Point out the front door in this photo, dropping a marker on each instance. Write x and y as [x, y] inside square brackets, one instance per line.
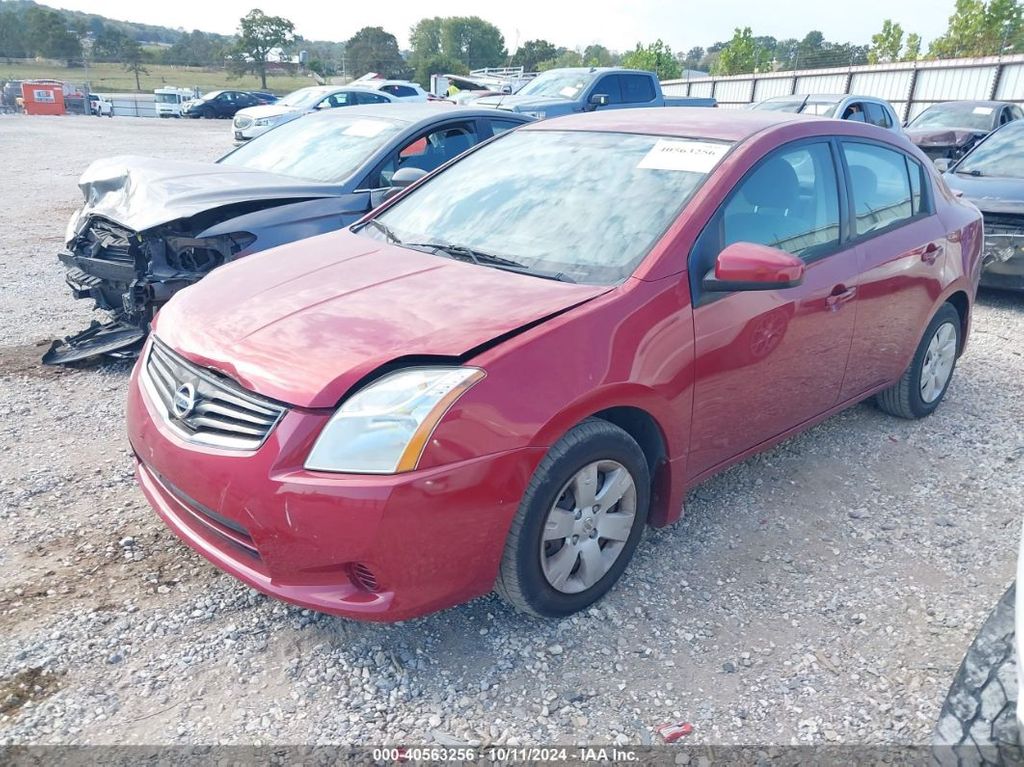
[767, 361]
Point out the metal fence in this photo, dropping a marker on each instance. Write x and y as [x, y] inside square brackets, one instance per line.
[909, 86]
[134, 107]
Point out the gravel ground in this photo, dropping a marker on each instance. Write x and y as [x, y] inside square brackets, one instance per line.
[821, 592]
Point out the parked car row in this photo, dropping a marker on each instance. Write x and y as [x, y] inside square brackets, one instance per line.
[224, 104]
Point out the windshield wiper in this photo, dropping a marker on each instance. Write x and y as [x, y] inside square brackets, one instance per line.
[480, 258]
[385, 229]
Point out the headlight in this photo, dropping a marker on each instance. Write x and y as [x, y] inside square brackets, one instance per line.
[536, 115]
[383, 428]
[72, 228]
[263, 122]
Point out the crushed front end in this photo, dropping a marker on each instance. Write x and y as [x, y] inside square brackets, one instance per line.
[1003, 251]
[131, 275]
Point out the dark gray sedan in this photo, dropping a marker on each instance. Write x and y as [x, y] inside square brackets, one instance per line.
[152, 227]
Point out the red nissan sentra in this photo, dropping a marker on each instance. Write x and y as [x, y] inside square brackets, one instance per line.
[507, 372]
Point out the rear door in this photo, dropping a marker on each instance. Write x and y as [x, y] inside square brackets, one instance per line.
[767, 361]
[901, 249]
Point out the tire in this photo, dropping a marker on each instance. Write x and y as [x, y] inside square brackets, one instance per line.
[978, 721]
[907, 398]
[595, 454]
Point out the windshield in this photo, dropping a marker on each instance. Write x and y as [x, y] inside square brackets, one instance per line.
[209, 96]
[820, 108]
[587, 206]
[303, 97]
[326, 147]
[964, 116]
[1001, 154]
[780, 105]
[167, 98]
[557, 85]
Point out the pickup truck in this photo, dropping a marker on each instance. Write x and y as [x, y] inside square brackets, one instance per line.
[565, 91]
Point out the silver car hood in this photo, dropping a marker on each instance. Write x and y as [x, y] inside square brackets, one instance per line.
[141, 192]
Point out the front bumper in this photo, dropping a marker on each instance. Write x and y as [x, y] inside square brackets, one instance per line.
[247, 134]
[1008, 275]
[431, 539]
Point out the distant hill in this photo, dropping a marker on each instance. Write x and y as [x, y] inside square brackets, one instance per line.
[95, 23]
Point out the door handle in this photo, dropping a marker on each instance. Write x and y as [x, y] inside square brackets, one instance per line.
[839, 296]
[931, 253]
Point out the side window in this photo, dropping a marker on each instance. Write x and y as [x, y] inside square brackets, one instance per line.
[876, 114]
[402, 91]
[428, 151]
[790, 202]
[500, 126]
[855, 112]
[336, 100]
[882, 194]
[636, 89]
[1005, 116]
[1016, 113]
[919, 201]
[370, 98]
[610, 87]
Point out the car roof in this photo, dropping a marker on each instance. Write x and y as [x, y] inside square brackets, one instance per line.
[971, 102]
[703, 122]
[378, 83]
[416, 112]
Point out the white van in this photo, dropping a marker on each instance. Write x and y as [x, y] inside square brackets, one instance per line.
[169, 100]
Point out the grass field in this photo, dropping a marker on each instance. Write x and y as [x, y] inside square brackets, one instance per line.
[112, 78]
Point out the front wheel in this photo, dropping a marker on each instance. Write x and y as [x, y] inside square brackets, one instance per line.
[578, 523]
[922, 387]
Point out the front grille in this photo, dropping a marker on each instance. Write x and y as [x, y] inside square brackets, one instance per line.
[1004, 236]
[204, 406]
[1003, 223]
[107, 241]
[243, 122]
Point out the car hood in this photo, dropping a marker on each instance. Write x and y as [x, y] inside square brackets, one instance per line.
[523, 103]
[942, 136]
[141, 192]
[305, 322]
[264, 111]
[990, 194]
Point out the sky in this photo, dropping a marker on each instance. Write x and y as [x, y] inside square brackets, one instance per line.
[616, 24]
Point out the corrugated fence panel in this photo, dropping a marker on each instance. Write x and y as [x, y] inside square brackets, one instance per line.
[133, 108]
[892, 85]
[734, 91]
[1011, 84]
[675, 89]
[770, 87]
[951, 84]
[821, 83]
[702, 88]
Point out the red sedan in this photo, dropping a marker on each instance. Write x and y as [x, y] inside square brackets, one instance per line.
[504, 374]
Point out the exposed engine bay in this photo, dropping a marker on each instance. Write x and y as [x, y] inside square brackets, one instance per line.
[131, 275]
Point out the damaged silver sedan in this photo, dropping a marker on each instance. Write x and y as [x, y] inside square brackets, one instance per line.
[152, 227]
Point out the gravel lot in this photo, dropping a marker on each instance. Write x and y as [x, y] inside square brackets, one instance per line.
[822, 592]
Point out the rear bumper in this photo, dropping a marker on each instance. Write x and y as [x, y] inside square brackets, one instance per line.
[431, 539]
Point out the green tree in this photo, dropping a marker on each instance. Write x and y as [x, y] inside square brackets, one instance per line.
[595, 55]
[913, 50]
[656, 57]
[979, 28]
[437, 65]
[887, 44]
[47, 34]
[738, 56]
[532, 52]
[371, 49]
[469, 39]
[108, 44]
[566, 58]
[258, 35]
[134, 58]
[12, 38]
[692, 58]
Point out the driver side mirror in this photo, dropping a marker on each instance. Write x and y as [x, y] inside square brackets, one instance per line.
[748, 266]
[506, 90]
[403, 178]
[942, 164]
[599, 100]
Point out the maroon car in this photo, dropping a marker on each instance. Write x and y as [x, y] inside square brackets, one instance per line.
[504, 374]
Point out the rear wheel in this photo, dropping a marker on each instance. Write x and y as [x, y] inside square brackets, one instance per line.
[922, 387]
[578, 523]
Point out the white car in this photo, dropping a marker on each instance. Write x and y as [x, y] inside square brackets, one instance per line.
[250, 122]
[400, 89]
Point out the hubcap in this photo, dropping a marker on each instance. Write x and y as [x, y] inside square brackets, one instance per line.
[938, 362]
[588, 526]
